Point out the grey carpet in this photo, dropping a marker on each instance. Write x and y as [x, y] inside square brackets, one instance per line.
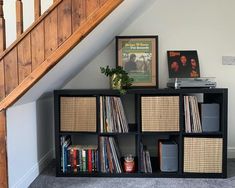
[48, 180]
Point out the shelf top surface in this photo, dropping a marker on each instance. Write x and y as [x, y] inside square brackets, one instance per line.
[139, 91]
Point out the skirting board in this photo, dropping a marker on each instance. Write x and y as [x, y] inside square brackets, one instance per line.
[33, 173]
[231, 152]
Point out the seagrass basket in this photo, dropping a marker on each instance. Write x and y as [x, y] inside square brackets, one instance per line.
[78, 114]
[160, 114]
[203, 155]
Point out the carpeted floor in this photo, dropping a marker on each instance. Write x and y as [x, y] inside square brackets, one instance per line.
[48, 180]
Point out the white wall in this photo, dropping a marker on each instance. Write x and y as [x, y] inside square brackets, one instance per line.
[207, 26]
[30, 141]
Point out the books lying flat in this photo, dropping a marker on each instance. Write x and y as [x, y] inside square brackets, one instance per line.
[112, 115]
[78, 158]
[109, 156]
[192, 116]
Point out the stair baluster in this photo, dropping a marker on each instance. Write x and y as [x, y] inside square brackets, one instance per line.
[19, 18]
[37, 9]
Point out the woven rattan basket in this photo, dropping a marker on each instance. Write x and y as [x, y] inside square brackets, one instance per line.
[78, 114]
[160, 113]
[203, 155]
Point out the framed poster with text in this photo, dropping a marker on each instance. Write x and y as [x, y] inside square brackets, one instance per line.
[138, 56]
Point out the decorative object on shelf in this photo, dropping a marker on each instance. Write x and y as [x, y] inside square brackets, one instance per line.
[183, 64]
[138, 56]
[168, 155]
[129, 164]
[119, 78]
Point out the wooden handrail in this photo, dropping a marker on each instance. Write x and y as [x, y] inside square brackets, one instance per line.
[19, 18]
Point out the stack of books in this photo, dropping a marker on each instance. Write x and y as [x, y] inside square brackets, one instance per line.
[192, 116]
[78, 158]
[109, 156]
[146, 166]
[112, 115]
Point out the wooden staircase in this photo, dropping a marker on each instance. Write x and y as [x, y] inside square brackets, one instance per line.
[40, 48]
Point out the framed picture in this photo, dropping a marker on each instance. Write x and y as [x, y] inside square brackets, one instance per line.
[138, 56]
[183, 64]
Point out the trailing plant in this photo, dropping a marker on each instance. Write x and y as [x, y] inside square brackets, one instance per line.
[120, 79]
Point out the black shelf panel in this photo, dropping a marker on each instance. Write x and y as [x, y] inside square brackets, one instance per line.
[203, 175]
[64, 133]
[80, 174]
[117, 134]
[209, 134]
[123, 175]
[161, 174]
[94, 92]
[159, 133]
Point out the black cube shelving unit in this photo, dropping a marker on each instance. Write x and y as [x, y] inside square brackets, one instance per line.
[217, 95]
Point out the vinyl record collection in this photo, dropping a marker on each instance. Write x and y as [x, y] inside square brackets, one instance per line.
[112, 115]
[192, 115]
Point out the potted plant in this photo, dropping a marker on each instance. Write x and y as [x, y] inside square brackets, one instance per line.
[119, 78]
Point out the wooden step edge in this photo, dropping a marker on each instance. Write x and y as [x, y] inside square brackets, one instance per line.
[58, 54]
[27, 31]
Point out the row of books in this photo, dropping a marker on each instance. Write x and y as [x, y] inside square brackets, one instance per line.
[109, 156]
[78, 158]
[146, 166]
[112, 115]
[192, 115]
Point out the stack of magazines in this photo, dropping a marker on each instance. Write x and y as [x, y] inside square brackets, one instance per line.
[109, 156]
[146, 166]
[112, 115]
[192, 116]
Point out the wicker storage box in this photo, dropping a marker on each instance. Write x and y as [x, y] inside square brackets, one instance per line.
[203, 155]
[78, 114]
[160, 113]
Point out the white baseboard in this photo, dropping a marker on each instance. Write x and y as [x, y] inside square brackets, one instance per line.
[30, 176]
[231, 152]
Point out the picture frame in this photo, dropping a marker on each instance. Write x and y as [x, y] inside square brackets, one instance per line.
[138, 55]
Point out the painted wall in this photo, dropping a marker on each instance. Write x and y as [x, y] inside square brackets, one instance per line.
[30, 141]
[206, 26]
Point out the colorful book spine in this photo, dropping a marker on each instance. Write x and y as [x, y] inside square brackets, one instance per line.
[84, 160]
[75, 161]
[89, 160]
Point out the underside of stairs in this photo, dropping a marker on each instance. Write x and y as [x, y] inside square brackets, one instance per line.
[38, 49]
